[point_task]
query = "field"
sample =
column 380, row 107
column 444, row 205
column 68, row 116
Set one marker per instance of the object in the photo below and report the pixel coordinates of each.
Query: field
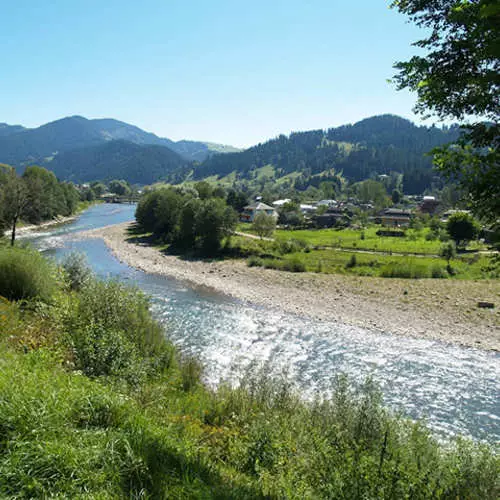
column 364, row 253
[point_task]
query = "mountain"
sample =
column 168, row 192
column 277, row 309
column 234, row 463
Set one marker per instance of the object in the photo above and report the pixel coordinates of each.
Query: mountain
column 24, row 146
column 6, row 129
column 374, row 146
column 117, row 159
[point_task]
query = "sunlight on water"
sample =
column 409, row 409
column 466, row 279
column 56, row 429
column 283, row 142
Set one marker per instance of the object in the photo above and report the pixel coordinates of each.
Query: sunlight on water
column 455, row 389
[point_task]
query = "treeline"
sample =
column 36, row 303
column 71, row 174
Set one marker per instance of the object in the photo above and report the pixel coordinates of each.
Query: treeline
column 375, row 146
column 96, row 403
column 34, row 197
column 196, row 218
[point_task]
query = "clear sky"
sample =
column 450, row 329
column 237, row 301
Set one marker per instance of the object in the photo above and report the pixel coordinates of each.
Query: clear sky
column 230, row 71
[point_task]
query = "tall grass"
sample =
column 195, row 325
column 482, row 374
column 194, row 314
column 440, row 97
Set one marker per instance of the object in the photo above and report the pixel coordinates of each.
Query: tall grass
column 25, row 274
column 106, row 408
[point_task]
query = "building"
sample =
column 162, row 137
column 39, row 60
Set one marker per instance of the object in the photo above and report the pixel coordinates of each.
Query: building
column 428, row 205
column 280, row 203
column 251, row 211
column 334, row 216
column 394, row 217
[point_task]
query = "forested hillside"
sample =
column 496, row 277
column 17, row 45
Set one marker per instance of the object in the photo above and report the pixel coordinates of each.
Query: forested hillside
column 375, row 146
column 138, row 164
column 20, row 146
column 6, row 129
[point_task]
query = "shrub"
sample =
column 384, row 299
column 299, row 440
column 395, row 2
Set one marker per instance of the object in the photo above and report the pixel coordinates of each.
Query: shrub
column 437, row 271
column 294, row 265
column 448, row 251
column 25, row 274
column 111, row 313
column 352, row 262
column 78, row 273
column 254, row 261
column 462, row 228
column 405, row 270
column 264, row 225
column 191, row 371
column 99, row 351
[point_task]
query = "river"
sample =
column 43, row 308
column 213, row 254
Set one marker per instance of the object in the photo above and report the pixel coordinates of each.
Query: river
column 454, row 389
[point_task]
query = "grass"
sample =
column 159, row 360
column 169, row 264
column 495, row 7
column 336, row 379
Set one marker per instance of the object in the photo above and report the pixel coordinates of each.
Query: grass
column 25, row 274
column 414, row 242
column 283, row 254
column 77, row 421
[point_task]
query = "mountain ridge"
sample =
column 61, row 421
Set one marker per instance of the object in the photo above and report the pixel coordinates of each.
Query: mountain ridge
column 20, row 146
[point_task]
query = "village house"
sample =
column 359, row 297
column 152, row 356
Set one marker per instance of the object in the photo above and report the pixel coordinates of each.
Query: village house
column 394, row 217
column 333, row 216
column 251, row 211
column 428, row 205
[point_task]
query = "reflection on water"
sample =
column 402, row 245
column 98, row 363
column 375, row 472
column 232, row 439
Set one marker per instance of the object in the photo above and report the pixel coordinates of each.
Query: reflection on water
column 455, row 389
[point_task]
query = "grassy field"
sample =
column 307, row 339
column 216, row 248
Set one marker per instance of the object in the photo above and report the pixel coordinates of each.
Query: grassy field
column 95, row 403
column 414, row 241
column 297, row 255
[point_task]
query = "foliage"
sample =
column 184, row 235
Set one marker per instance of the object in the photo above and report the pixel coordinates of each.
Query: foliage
column 462, row 227
column 25, row 274
column 34, row 197
column 78, row 273
column 371, row 191
column 126, row 417
column 237, row 199
column 458, row 78
column 396, row 196
column 264, row 225
column 187, row 222
column 379, row 145
column 120, row 188
column 448, row 251
column 136, row 163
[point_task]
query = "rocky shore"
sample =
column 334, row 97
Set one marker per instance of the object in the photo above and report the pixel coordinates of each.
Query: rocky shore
column 444, row 310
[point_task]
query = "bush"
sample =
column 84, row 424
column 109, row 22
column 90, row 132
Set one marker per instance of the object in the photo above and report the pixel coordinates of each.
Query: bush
column 25, row 275
column 77, row 271
column 254, row 261
column 405, row 270
column 191, row 371
column 294, row 265
column 352, row 262
column 109, row 313
column 99, row 351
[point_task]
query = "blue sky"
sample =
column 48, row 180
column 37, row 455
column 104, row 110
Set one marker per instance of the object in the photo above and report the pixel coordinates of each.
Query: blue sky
column 230, row 71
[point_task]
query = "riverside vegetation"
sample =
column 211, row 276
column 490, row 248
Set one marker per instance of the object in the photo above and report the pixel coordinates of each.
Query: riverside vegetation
column 200, row 221
column 95, row 402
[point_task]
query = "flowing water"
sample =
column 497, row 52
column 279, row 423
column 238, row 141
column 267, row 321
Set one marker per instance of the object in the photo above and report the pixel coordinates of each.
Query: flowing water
column 455, row 389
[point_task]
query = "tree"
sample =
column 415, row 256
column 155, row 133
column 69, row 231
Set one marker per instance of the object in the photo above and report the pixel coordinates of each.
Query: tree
column 121, row 188
column 98, row 187
column 448, row 251
column 237, row 199
column 462, row 227
column 372, row 191
column 396, row 196
column 458, row 78
column 290, row 214
column 214, row 221
column 14, row 200
column 264, row 225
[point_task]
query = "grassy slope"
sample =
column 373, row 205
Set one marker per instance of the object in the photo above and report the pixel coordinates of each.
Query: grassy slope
column 95, row 404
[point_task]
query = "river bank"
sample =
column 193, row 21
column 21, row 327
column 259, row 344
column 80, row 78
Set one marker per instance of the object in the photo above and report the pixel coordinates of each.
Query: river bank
column 444, row 310
column 43, row 225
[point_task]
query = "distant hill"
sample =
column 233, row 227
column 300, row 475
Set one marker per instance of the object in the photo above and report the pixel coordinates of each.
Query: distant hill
column 6, row 129
column 118, row 159
column 20, row 146
column 374, row 146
